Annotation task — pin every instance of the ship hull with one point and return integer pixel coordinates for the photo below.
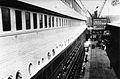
(113, 50)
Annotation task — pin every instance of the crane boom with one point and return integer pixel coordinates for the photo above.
(102, 8)
(85, 8)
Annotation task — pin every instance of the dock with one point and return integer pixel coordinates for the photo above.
(98, 66)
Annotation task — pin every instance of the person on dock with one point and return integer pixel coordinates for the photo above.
(86, 48)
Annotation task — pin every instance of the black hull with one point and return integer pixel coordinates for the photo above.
(113, 49)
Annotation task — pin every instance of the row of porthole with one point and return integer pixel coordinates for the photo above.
(19, 74)
(31, 65)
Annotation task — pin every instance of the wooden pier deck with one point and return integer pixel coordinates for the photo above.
(97, 66)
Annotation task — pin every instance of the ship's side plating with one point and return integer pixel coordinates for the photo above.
(113, 46)
(31, 37)
(67, 64)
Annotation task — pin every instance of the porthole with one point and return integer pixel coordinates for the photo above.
(30, 68)
(10, 77)
(53, 51)
(42, 60)
(38, 62)
(18, 75)
(49, 55)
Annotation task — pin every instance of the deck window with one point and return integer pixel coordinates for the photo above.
(57, 22)
(18, 20)
(41, 20)
(45, 20)
(62, 22)
(35, 20)
(27, 16)
(49, 21)
(65, 22)
(53, 21)
(6, 19)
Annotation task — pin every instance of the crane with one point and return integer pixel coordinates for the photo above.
(102, 8)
